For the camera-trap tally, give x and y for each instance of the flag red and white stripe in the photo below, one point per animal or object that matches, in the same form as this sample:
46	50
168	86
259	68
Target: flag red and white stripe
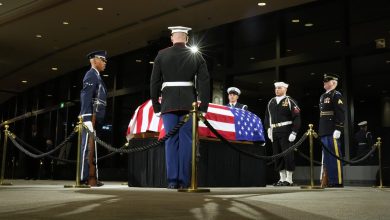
219	116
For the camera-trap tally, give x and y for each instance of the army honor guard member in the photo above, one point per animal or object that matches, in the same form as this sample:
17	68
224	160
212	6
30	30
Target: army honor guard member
282	122
331	125
233	95
93	103
173	77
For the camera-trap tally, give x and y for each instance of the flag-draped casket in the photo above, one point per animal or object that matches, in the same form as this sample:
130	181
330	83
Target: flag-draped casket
232	123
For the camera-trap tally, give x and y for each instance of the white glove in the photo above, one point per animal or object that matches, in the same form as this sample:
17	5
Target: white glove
158	114
336	134
269	132
89	125
292	136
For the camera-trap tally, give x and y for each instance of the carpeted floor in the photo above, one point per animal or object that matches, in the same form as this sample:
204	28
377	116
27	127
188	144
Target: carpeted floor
50	200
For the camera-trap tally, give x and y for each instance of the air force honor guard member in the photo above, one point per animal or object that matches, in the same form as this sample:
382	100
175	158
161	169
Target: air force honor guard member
93	104
174	72
282	122
330	127
234	93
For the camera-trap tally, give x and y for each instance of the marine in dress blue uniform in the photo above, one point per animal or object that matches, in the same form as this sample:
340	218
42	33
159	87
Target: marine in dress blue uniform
175	72
331	125
282	122
93	102
233	95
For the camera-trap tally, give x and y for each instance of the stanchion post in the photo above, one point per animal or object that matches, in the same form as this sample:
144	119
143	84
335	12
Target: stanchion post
311	134
379	145
80	131
4	157
194	184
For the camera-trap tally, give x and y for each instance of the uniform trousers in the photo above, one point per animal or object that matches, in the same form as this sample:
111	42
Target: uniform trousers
281	143
332	165
178	150
84	161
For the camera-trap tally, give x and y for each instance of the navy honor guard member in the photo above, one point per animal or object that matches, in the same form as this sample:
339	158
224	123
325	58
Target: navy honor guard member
282	122
364	140
175	71
93	103
331	125
233	94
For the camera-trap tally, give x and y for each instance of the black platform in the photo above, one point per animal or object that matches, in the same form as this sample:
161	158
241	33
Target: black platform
218	166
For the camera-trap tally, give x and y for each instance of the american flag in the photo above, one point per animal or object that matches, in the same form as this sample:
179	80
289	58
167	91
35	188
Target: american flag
231	123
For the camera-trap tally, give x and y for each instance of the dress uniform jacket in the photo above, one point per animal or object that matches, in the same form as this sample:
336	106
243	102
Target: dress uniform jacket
179	64
331	113
93	96
238	105
287	110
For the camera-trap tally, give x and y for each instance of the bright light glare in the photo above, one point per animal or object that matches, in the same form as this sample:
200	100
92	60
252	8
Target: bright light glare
194	49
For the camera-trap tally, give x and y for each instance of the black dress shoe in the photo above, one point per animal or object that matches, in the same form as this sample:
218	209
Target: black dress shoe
98	183
335	186
279	183
285	183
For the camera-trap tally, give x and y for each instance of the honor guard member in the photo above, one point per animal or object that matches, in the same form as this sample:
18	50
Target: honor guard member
175	72
363	139
282	122
331	125
234	94
93	104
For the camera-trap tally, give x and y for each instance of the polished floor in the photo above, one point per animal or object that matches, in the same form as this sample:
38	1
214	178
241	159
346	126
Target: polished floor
46	199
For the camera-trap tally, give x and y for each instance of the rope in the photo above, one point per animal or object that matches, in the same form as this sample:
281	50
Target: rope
133	149
273	157
307	157
14	140
373	148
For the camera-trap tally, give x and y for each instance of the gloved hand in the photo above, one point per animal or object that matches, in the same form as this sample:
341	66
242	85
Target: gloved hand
336	134
89	125
158	114
262	144
269	132
292	136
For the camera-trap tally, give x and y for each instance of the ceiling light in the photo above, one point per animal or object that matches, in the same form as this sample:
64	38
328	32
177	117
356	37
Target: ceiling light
24	81
312	74
309	24
1	4
288	50
151	62
65	23
38	36
74	86
337	41
295	20
54	68
261	4
251	58
105	75
138	61
369	85
100	9
49	95
260	82
387	61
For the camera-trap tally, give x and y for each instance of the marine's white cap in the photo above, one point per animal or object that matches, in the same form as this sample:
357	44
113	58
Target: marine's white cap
281	84
363	123
182	29
234	90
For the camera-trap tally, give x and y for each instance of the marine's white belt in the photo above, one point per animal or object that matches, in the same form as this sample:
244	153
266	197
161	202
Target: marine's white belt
167	84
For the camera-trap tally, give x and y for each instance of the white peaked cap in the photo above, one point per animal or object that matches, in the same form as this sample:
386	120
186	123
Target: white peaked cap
234	89
281	84
362	123
182	29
